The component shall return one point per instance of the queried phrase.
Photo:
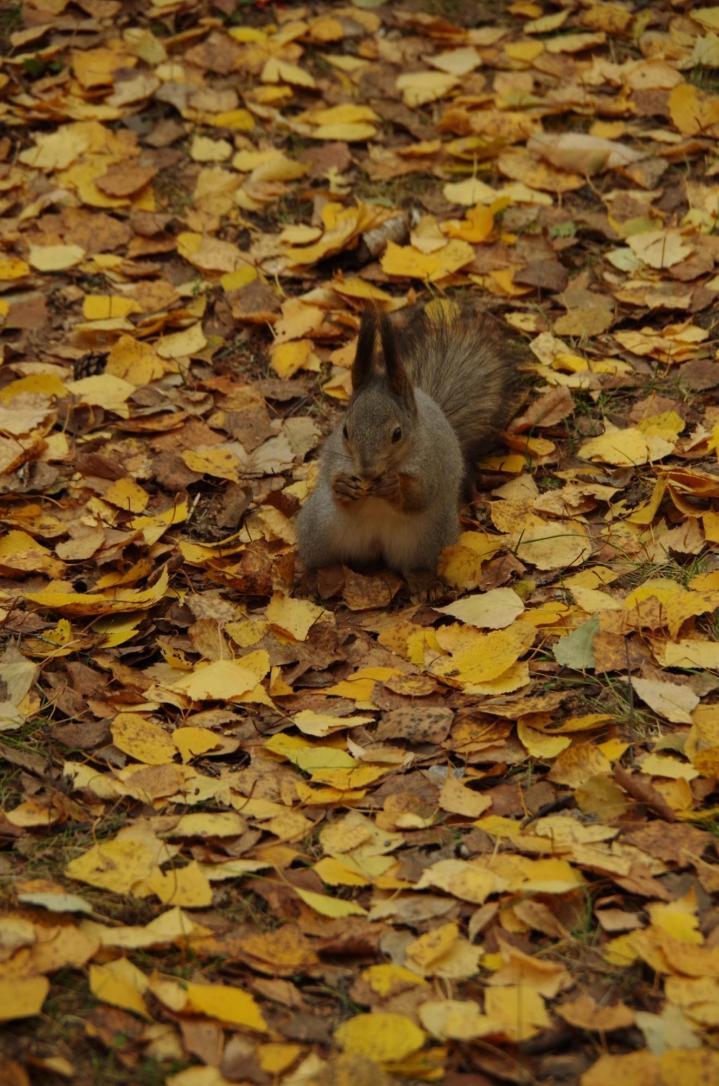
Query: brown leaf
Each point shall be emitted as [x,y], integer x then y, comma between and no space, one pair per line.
[126,179]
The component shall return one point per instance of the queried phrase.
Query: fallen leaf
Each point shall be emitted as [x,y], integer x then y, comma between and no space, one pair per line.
[673,702]
[381,1036]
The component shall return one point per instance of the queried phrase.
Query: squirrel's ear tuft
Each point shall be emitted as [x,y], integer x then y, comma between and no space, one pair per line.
[397,378]
[362,367]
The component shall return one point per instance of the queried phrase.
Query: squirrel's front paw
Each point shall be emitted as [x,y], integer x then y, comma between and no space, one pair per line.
[347,488]
[388,488]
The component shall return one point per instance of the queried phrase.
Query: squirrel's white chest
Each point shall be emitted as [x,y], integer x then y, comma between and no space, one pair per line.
[375,531]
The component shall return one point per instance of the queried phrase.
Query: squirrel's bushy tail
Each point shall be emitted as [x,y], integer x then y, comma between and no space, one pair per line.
[466,361]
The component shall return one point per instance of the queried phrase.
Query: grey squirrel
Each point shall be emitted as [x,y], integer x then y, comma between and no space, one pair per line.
[426,399]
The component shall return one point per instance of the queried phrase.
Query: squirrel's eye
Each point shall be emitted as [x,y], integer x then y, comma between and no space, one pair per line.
[396,433]
[345,432]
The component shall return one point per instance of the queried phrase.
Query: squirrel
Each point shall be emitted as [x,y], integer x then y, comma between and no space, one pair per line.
[426,399]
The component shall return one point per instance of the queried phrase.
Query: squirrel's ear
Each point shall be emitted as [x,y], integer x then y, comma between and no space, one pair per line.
[364,355]
[397,378]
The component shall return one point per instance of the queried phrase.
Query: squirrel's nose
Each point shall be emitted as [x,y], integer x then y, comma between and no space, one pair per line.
[365,468]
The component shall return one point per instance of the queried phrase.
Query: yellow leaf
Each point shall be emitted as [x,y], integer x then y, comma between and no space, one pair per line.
[134,361]
[380,1037]
[625,448]
[664,765]
[347,122]
[127,494]
[707,17]
[281,71]
[12,267]
[298,354]
[234,280]
[204,149]
[52,258]
[121,984]
[293,617]
[102,307]
[475,228]
[442,952]
[208,824]
[335,873]
[321,724]
[276,1057]
[57,150]
[94,603]
[49,896]
[409,262]
[573,43]
[190,341]
[538,744]
[209,254]
[296,233]
[226,1004]
[223,680]
[187,887]
[551,544]
[142,739]
[155,525]
[584,1013]
[659,248]
[514,678]
[329,906]
[526,51]
[519,1010]
[456,798]
[633,1069]
[546,23]
[420,87]
[120,864]
[350,133]
[388,979]
[673,702]
[317,759]
[462,879]
[31,813]
[678,918]
[45,384]
[687,1066]
[278,167]
[482,657]
[348,113]
[354,287]
[588,722]
[96,67]
[359,686]
[457,61]
[471,191]
[454,1019]
[689,653]
[103,390]
[491,610]
[576,764]
[691,111]
[20,553]
[341,225]
[247,161]
[191,741]
[239,120]
[461,564]
[21,997]
[213,460]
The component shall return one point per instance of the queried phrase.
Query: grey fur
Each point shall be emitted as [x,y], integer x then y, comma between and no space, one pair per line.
[447,387]
[469,366]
